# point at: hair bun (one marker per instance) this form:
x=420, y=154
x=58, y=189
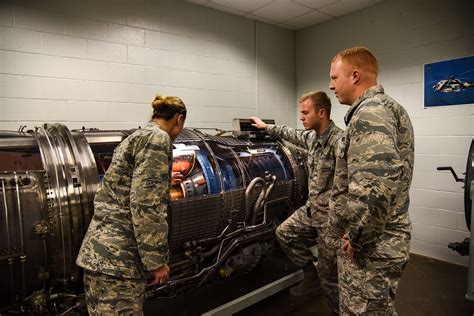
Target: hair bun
x=158, y=102
x=167, y=106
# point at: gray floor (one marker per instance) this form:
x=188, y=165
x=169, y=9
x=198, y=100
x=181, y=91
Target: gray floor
x=428, y=287
x=433, y=287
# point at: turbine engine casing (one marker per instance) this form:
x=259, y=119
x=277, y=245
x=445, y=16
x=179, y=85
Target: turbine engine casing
x=48, y=181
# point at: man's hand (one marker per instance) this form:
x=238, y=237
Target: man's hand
x=258, y=123
x=176, y=178
x=161, y=275
x=346, y=246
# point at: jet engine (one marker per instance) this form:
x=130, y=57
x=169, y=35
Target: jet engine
x=236, y=189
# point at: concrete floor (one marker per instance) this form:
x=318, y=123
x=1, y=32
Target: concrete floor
x=428, y=287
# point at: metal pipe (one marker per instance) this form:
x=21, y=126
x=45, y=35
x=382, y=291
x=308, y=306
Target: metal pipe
x=22, y=237
x=7, y=226
x=246, y=229
x=227, y=251
x=249, y=229
x=210, y=269
x=222, y=254
x=247, y=194
x=6, y=215
x=258, y=203
x=209, y=240
x=262, y=198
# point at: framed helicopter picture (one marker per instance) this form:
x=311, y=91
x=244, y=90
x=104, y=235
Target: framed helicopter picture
x=449, y=82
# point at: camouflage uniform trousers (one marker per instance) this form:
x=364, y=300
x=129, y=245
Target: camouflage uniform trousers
x=367, y=286
x=110, y=295
x=292, y=235
x=327, y=269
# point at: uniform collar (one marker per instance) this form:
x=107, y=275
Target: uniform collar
x=153, y=125
x=323, y=139
x=369, y=93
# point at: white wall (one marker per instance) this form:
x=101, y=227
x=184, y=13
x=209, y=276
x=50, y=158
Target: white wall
x=405, y=34
x=99, y=63
x=276, y=77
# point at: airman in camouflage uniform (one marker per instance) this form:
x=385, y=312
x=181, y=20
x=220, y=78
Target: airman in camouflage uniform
x=127, y=239
x=309, y=222
x=372, y=180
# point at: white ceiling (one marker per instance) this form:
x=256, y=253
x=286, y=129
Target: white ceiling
x=289, y=14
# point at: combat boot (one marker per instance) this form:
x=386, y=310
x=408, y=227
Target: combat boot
x=310, y=284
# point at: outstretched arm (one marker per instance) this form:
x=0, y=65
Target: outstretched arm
x=304, y=139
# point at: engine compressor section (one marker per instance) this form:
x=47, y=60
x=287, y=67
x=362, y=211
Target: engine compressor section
x=221, y=219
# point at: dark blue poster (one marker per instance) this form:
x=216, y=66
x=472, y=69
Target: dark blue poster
x=449, y=82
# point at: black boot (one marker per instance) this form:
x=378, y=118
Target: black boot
x=310, y=284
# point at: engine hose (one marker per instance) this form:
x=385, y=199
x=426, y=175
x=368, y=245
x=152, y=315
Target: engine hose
x=247, y=194
x=206, y=273
x=262, y=199
x=228, y=251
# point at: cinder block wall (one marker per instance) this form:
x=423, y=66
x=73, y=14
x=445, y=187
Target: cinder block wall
x=99, y=64
x=405, y=34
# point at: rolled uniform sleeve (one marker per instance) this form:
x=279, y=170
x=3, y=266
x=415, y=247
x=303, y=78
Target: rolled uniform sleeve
x=374, y=169
x=149, y=198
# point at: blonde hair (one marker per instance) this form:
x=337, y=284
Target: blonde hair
x=320, y=100
x=167, y=106
x=359, y=57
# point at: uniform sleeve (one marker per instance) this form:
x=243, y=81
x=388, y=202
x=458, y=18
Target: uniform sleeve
x=374, y=170
x=149, y=198
x=304, y=139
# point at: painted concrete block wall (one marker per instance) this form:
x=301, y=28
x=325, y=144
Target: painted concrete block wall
x=405, y=34
x=99, y=63
x=275, y=77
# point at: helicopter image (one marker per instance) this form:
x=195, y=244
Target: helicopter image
x=452, y=85
x=448, y=82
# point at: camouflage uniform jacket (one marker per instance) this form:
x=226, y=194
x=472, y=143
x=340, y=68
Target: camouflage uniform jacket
x=321, y=162
x=128, y=234
x=373, y=174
